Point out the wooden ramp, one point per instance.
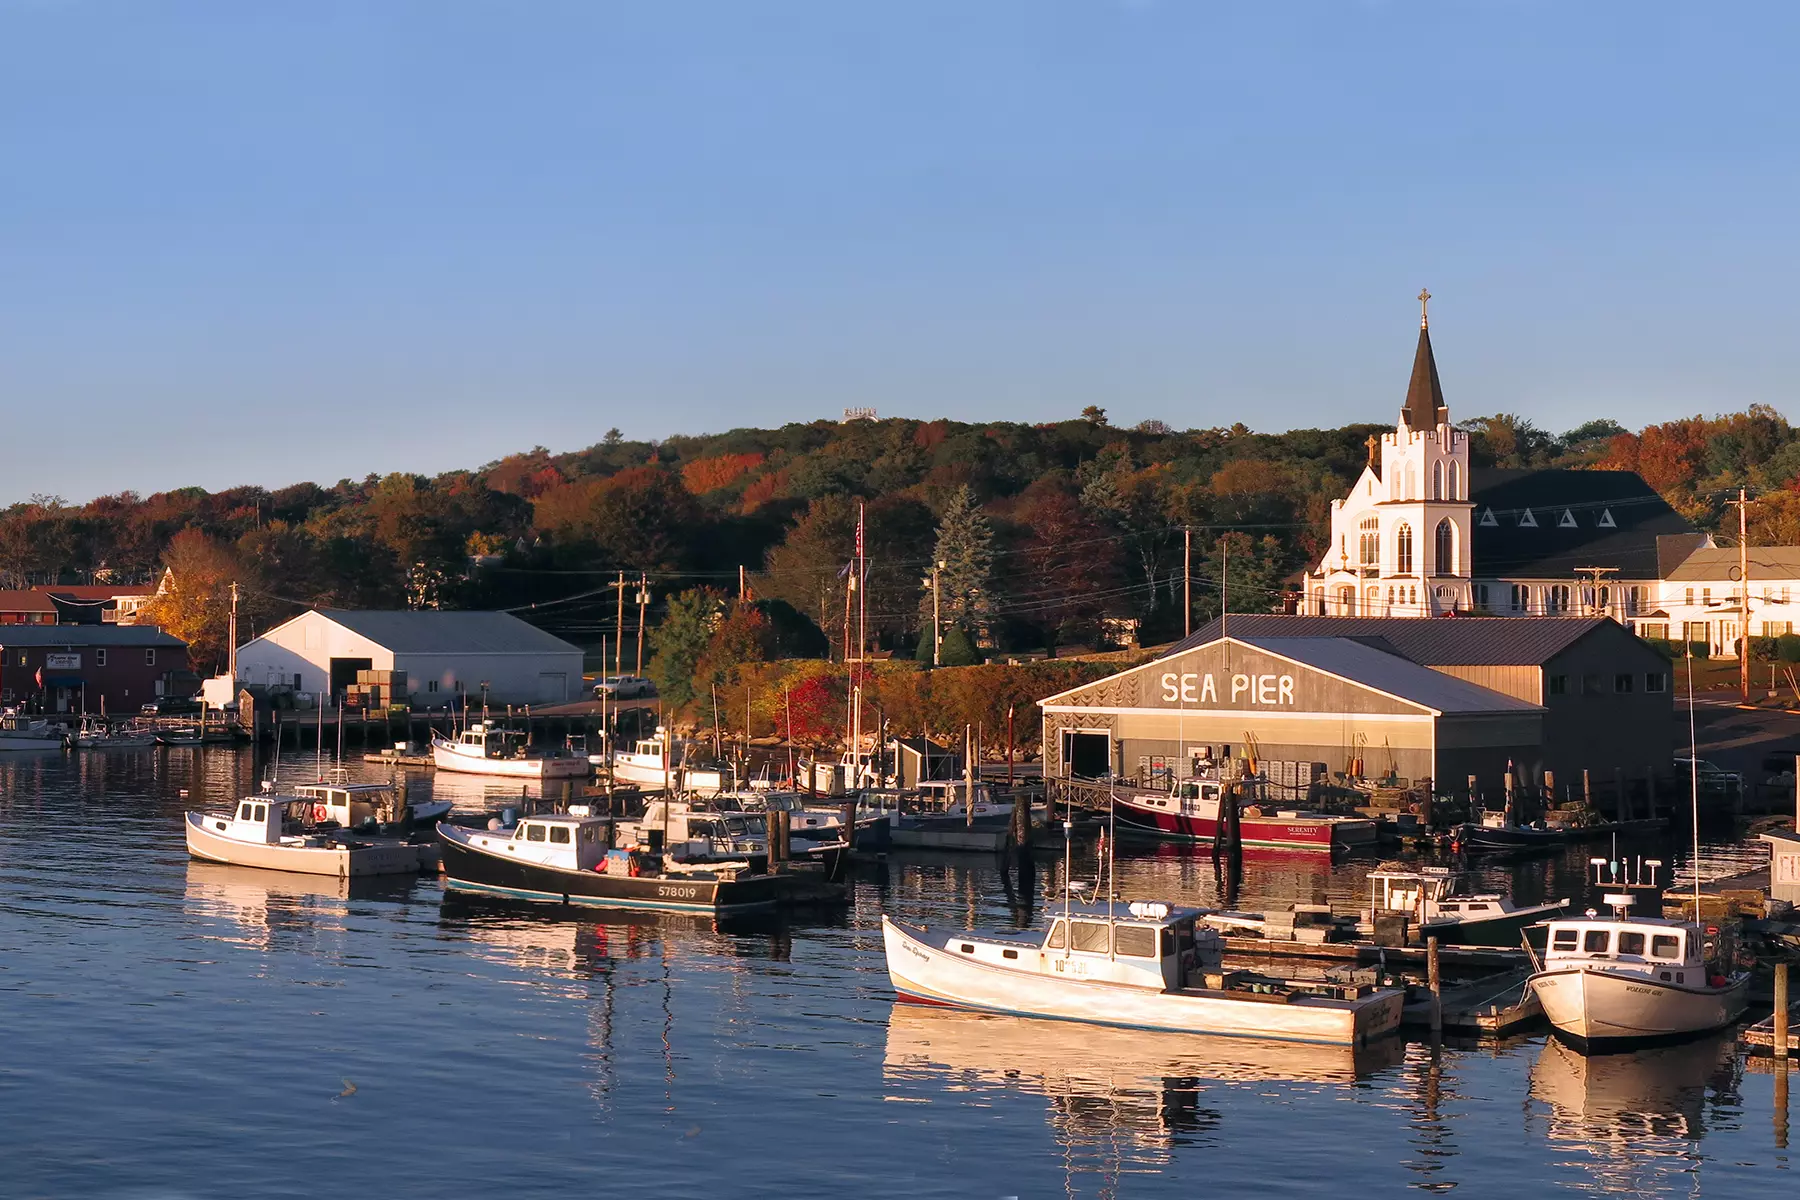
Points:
(1492, 1006)
(1760, 1037)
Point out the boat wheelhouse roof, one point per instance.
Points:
(564, 819)
(1599, 918)
(1134, 912)
(354, 789)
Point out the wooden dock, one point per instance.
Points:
(1760, 1037)
(393, 758)
(1492, 1006)
(1453, 958)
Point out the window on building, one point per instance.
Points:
(1481, 595)
(1368, 542)
(1690, 595)
(1556, 598)
(1403, 558)
(1437, 481)
(1656, 681)
(1347, 600)
(1590, 684)
(1455, 481)
(1777, 628)
(150, 657)
(100, 656)
(1654, 629)
(1559, 685)
(1412, 482)
(1622, 683)
(1521, 598)
(1706, 595)
(431, 685)
(1445, 550)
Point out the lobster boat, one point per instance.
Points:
(1190, 812)
(1138, 966)
(279, 833)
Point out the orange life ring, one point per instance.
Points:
(320, 813)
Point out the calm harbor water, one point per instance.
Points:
(173, 1029)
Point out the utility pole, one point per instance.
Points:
(1590, 603)
(643, 600)
(740, 583)
(937, 626)
(618, 633)
(1742, 504)
(1187, 581)
(231, 640)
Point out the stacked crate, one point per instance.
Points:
(376, 690)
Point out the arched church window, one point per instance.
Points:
(1403, 550)
(1444, 553)
(1368, 542)
(1412, 483)
(1437, 481)
(1455, 481)
(1346, 601)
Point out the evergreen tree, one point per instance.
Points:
(965, 545)
(958, 649)
(680, 641)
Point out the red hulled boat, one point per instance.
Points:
(1189, 812)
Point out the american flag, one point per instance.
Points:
(859, 530)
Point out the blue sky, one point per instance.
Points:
(260, 243)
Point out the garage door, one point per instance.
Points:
(1086, 755)
(553, 687)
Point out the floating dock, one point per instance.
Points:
(1492, 1006)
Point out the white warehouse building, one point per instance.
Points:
(445, 655)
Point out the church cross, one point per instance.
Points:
(1374, 443)
(1424, 299)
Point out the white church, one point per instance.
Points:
(1421, 535)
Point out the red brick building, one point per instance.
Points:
(73, 604)
(76, 668)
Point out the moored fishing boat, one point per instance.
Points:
(564, 859)
(357, 805)
(655, 764)
(97, 733)
(1441, 909)
(1190, 812)
(20, 732)
(1608, 982)
(482, 749)
(1141, 966)
(276, 833)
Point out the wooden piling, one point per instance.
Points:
(778, 836)
(1509, 781)
(1781, 1104)
(1436, 983)
(1781, 1010)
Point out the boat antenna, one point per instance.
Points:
(1694, 775)
(1068, 880)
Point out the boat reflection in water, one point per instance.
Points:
(1118, 1097)
(1638, 1114)
(279, 909)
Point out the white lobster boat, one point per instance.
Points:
(483, 750)
(1611, 981)
(1140, 966)
(19, 732)
(276, 834)
(652, 765)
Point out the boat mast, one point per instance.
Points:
(319, 755)
(1694, 774)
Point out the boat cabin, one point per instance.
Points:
(481, 740)
(349, 804)
(1188, 797)
(1148, 945)
(561, 840)
(260, 819)
(1430, 893)
(1666, 950)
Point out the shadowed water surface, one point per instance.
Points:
(180, 1029)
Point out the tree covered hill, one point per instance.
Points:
(1045, 530)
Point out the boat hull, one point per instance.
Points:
(468, 869)
(1277, 833)
(446, 759)
(206, 842)
(1506, 930)
(922, 973)
(1612, 1009)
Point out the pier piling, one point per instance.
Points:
(1435, 980)
(1781, 1010)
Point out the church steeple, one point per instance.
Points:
(1425, 406)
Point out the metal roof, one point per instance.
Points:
(432, 632)
(87, 635)
(1712, 565)
(1389, 674)
(1532, 524)
(1432, 641)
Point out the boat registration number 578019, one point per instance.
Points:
(677, 893)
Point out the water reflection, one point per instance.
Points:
(268, 910)
(1121, 1100)
(1636, 1118)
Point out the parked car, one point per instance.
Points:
(171, 706)
(1710, 776)
(623, 687)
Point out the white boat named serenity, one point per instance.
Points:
(483, 750)
(1611, 981)
(1141, 966)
